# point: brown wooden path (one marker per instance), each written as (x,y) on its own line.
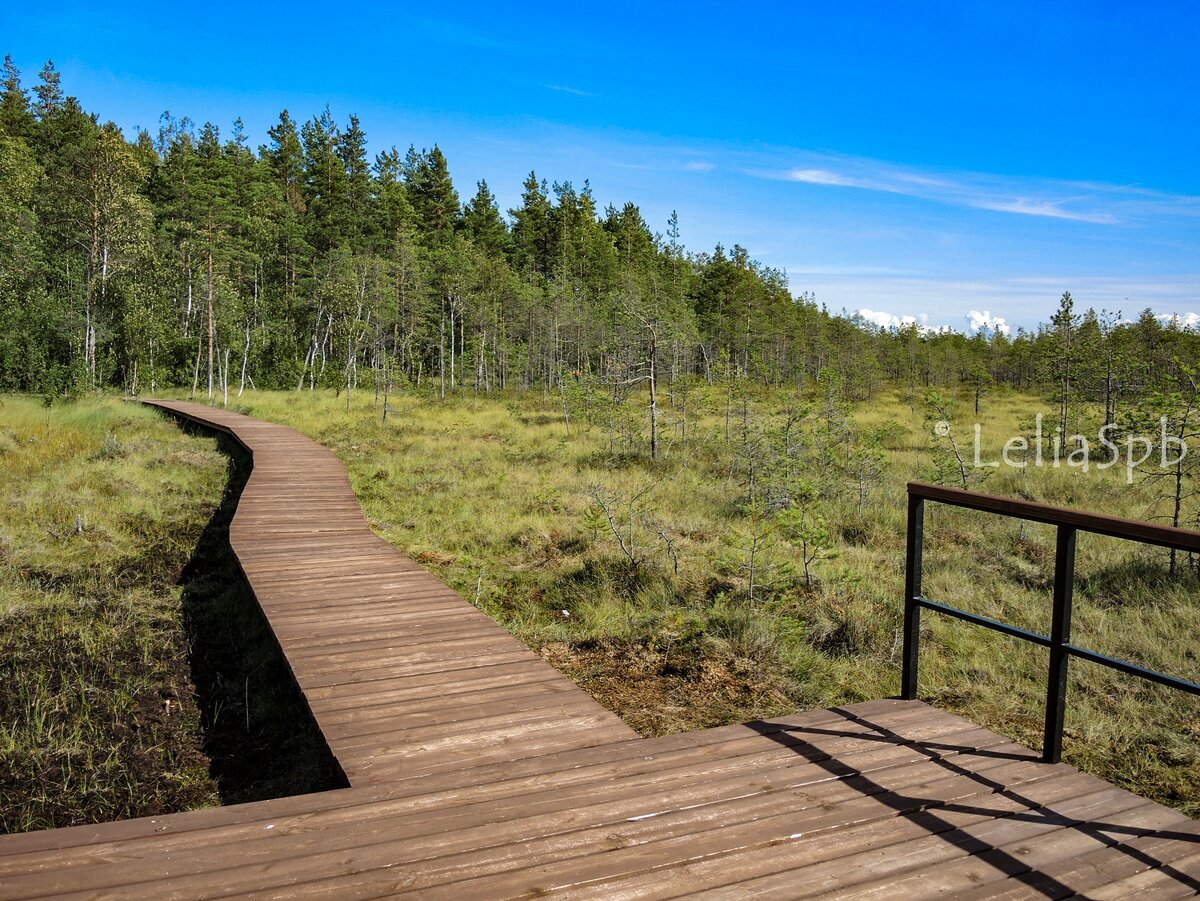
(477,771)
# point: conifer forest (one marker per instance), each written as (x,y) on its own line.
(188,258)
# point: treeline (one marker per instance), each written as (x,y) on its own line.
(185,258)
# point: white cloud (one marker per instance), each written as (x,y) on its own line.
(977,320)
(699,166)
(1051,209)
(886,320)
(825,177)
(1099,204)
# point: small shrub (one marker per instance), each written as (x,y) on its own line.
(111,448)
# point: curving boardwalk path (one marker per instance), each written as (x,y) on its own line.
(478,771)
(402,676)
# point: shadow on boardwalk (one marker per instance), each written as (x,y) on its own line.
(930,813)
(258,731)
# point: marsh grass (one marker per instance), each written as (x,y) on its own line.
(103,504)
(137,675)
(494,494)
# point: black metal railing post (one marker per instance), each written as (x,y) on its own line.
(1060,640)
(912,595)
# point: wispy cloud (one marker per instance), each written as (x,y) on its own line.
(699,166)
(1051,209)
(825,177)
(830,271)
(458,34)
(567,89)
(1089,202)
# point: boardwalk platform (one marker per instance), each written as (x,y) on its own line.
(478,771)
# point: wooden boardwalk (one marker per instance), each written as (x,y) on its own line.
(478,771)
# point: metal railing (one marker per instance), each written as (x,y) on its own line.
(1068,523)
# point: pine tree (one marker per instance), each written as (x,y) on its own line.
(285,162)
(213,195)
(1063,362)
(431,191)
(352,150)
(325,182)
(49,92)
(531,236)
(16,118)
(482,222)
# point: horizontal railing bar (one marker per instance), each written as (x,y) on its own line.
(984,621)
(1133,669)
(1098,523)
(1123,666)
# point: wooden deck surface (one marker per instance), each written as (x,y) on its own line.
(478,771)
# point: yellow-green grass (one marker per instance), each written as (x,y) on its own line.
(103,504)
(495,494)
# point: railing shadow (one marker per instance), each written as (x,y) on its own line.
(259,733)
(927,812)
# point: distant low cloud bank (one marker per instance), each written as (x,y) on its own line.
(976,321)
(1183,320)
(890,320)
(980,320)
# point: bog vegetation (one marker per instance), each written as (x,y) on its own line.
(757,566)
(675,475)
(137,676)
(104,504)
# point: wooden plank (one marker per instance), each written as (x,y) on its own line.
(443,830)
(1144,861)
(682,836)
(721,875)
(575,767)
(697,757)
(1178,880)
(993,851)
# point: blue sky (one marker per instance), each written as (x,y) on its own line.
(919,160)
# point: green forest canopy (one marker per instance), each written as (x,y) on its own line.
(186,259)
